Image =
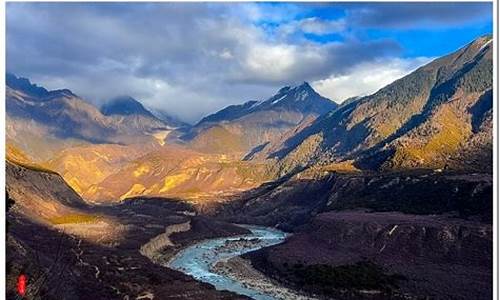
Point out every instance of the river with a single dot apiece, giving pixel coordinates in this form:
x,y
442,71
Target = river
x,y
199,260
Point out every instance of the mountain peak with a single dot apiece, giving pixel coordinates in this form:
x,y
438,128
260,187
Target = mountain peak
x,y
305,85
301,97
124,105
25,85
284,89
302,86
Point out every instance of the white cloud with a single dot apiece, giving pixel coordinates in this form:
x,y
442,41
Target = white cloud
x,y
318,26
367,78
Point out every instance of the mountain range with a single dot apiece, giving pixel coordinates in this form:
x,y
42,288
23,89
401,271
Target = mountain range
x,y
385,196
241,128
434,118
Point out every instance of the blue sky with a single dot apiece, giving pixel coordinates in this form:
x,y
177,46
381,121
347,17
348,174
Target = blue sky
x,y
191,59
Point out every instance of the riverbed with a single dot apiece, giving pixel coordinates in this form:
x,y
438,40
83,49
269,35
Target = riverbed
x,y
207,261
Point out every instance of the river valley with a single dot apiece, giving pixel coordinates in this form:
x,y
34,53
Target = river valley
x,y
217,261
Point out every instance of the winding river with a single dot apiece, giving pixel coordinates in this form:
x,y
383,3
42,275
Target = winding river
x,y
199,259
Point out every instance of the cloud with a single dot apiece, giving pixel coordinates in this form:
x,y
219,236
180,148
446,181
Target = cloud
x,y
418,15
367,78
317,26
311,25
188,58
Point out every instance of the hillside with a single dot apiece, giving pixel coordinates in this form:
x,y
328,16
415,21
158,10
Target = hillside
x,y
175,171
427,119
241,128
35,117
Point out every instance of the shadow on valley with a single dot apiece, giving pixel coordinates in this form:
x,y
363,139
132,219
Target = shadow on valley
x,y
400,235
393,235
75,266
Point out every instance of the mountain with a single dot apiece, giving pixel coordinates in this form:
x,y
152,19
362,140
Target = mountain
x,y
23,84
128,106
42,123
131,113
125,106
174,171
430,118
107,155
240,128
438,117
169,119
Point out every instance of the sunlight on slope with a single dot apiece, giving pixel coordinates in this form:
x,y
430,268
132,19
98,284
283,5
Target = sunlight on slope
x,y
160,136
142,169
173,181
136,189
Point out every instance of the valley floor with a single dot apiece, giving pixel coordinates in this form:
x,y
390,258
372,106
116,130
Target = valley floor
x,y
62,265
354,237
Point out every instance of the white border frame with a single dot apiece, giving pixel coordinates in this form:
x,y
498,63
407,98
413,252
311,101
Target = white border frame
x,y
495,199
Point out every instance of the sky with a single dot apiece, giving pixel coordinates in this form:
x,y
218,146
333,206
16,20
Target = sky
x,y
192,59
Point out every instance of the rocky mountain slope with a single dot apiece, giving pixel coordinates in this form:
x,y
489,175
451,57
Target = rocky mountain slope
x,y
124,106
132,112
240,128
430,118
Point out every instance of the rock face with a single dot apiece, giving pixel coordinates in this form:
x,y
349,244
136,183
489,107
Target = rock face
x,y
240,128
420,250
430,118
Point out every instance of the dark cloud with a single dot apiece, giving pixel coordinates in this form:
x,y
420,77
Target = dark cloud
x,y
417,15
